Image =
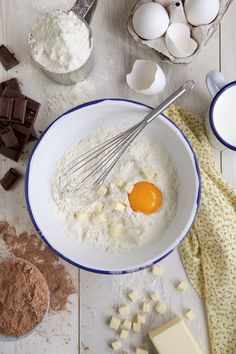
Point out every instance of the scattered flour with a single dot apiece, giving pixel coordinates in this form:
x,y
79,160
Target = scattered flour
x,y
60,41
139,229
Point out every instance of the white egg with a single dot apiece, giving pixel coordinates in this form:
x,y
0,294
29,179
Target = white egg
x,y
146,77
201,12
150,20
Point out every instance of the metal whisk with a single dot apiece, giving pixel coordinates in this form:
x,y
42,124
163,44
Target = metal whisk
x,y
88,171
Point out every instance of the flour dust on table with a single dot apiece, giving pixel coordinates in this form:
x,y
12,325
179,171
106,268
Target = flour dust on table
x,y
134,205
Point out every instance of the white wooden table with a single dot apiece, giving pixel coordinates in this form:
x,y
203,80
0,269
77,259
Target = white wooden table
x,y
83,329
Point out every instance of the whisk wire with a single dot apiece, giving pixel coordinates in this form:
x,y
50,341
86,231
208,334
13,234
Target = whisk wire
x,y
89,170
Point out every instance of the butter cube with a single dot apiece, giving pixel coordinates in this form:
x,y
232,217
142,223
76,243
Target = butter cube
x,y
174,337
99,219
148,172
127,324
146,307
116,230
81,216
124,334
114,322
136,327
154,296
124,310
102,191
157,270
119,206
141,351
161,307
134,296
99,208
116,345
182,287
141,319
190,315
128,187
119,182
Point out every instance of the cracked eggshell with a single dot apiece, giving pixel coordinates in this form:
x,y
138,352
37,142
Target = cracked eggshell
x,y
179,42
201,12
146,77
150,20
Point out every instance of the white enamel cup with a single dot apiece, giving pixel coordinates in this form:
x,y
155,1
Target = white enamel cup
x,y
220,124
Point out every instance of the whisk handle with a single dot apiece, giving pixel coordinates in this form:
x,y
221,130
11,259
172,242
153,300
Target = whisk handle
x,y
171,99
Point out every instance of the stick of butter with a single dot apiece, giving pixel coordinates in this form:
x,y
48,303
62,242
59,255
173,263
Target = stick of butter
x,y
174,337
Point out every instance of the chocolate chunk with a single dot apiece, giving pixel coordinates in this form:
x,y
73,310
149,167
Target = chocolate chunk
x,y
9,179
8,137
7,58
12,153
12,83
11,93
21,128
6,105
19,110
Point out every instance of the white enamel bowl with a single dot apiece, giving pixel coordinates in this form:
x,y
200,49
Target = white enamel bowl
x,y
69,129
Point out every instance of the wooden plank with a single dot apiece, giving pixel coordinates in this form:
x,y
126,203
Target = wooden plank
x,y
228,68
60,333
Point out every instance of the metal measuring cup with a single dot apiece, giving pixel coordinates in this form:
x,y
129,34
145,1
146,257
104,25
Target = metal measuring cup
x,y
84,9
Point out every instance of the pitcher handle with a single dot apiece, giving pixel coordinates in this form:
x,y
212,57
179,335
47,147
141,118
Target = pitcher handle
x,y
214,82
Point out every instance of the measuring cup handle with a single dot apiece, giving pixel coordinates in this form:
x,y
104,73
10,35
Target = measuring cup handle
x,y
214,81
85,9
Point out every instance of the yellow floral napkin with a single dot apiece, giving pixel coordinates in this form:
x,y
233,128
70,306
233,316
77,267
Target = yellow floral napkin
x,y
209,251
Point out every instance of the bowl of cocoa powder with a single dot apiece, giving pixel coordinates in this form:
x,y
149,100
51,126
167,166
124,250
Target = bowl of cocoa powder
x,y
24,298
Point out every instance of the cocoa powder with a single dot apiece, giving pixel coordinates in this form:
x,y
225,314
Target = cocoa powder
x,y
31,248
24,297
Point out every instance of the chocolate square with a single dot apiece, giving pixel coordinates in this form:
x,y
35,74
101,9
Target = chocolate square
x,y
6,105
19,109
7,58
9,179
11,93
8,137
11,83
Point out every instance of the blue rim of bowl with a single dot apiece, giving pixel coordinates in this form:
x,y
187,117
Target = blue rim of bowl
x,y
212,124
147,265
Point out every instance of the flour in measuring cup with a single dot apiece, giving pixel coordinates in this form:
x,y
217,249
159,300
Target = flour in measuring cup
x,y
60,41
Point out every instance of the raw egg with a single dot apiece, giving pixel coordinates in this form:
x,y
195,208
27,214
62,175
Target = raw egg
x,y
145,198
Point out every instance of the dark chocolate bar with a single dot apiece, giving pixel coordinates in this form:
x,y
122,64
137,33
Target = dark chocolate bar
x,y
9,179
7,58
8,137
19,110
6,106
17,123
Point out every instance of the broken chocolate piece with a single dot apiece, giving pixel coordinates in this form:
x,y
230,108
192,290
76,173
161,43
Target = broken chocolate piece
x,y
11,93
12,83
8,137
6,105
9,179
19,110
7,58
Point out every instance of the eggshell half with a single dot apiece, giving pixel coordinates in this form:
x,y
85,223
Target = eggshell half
x,y
179,42
146,77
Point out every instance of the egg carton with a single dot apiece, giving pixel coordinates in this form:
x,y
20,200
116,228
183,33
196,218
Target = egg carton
x,y
201,34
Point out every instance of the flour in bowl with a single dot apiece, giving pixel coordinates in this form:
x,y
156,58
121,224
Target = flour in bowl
x,y
109,221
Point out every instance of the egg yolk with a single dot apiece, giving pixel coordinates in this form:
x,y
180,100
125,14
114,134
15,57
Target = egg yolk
x,y
145,198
